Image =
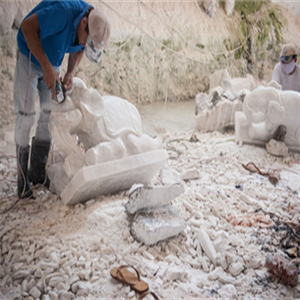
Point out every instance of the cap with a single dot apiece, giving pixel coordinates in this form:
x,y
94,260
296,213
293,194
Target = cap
x,y
99,27
287,52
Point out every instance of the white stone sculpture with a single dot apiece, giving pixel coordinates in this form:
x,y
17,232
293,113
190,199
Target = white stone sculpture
x,y
102,144
217,109
236,86
264,109
210,6
229,7
217,78
214,112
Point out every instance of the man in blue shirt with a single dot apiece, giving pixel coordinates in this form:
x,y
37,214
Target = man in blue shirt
x,y
48,32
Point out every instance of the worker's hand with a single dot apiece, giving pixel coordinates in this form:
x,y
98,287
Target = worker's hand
x,y
68,81
50,78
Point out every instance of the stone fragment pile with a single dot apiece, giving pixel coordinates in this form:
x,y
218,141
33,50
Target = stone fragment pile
x,y
153,217
234,220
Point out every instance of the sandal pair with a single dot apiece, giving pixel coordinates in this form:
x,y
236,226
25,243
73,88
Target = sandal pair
x,y
132,279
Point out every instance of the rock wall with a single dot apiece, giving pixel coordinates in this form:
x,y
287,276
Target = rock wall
x,y
163,51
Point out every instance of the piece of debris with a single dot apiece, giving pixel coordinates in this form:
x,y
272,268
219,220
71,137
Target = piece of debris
x,y
152,226
277,148
152,216
207,245
143,197
250,220
280,133
282,269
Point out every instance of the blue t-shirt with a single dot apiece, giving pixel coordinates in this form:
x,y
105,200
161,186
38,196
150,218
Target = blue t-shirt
x,y
58,21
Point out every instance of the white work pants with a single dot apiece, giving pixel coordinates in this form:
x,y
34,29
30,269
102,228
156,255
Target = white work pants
x,y
27,81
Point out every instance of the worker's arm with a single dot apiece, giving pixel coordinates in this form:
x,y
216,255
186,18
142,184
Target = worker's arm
x,y
31,30
74,60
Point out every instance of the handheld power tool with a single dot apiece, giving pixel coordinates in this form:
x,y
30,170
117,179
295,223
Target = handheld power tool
x,y
60,93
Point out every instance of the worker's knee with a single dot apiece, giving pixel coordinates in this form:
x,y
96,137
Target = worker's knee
x,y
23,126
42,130
44,115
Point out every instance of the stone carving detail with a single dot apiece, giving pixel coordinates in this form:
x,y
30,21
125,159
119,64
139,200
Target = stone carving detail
x,y
264,109
217,109
101,142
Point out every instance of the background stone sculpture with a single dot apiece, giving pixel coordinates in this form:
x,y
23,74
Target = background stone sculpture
x,y
264,109
91,130
216,109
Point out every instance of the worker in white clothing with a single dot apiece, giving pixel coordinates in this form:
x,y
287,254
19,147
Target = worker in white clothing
x,y
286,72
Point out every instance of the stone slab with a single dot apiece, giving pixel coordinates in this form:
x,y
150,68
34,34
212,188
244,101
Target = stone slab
x,y
113,176
150,227
147,197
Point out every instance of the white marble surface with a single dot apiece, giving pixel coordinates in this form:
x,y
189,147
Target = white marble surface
x,y
100,144
113,176
147,197
153,218
152,226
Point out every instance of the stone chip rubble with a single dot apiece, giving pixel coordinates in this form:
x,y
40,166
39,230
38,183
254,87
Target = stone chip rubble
x,y
50,251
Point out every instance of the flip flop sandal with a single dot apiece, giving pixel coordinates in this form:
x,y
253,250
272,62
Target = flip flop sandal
x,y
253,168
272,175
148,293
122,274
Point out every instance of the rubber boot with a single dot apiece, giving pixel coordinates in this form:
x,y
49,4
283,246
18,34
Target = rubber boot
x,y
24,189
38,159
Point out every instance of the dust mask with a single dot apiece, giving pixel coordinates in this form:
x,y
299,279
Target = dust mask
x,y
92,52
288,68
